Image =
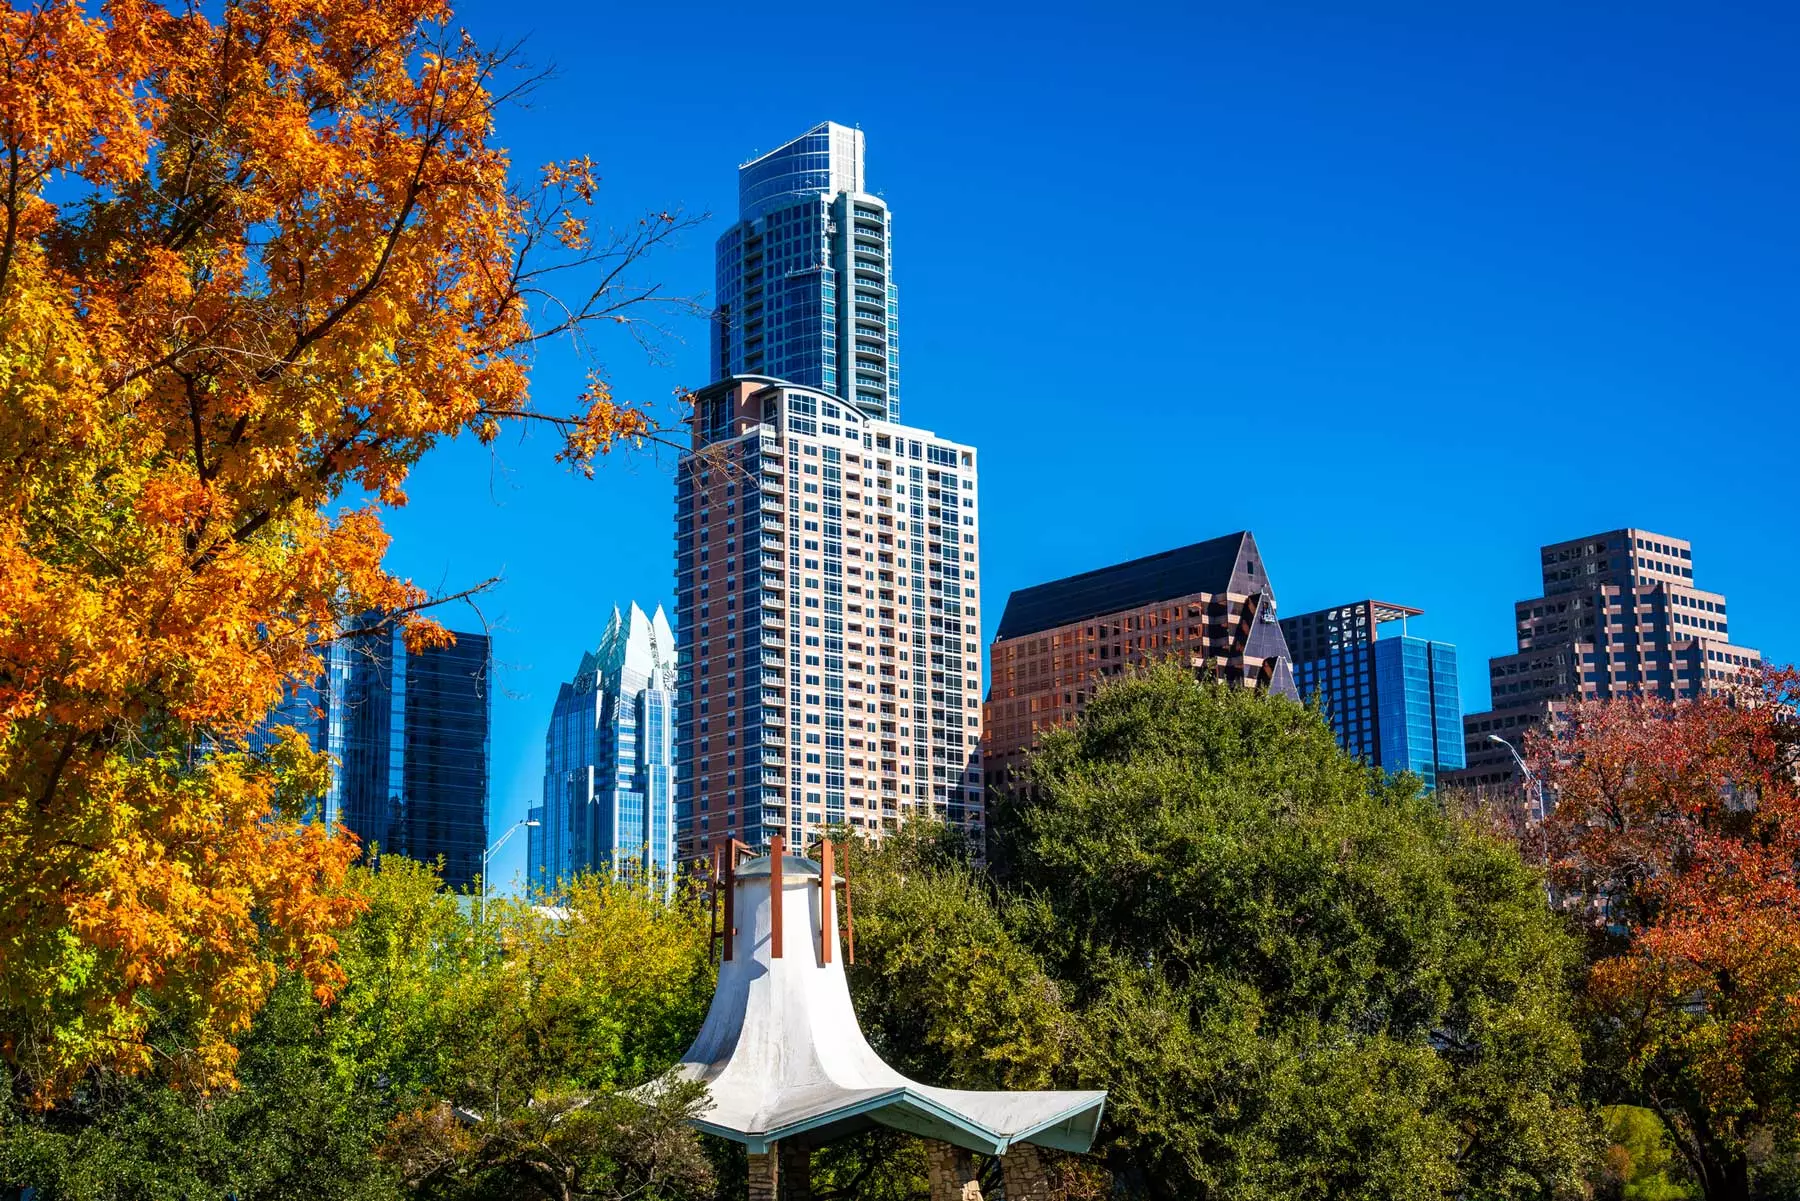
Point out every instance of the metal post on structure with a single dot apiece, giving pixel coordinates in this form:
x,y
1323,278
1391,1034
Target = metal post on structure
x,y
777,848
827,906
728,882
1536,787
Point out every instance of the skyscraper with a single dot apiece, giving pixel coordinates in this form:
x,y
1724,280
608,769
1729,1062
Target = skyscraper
x,y
609,760
826,591
1210,605
1620,616
1391,700
805,280
409,732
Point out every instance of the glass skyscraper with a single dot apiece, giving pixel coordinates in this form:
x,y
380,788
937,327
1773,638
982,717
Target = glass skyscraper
x,y
805,280
1392,701
609,760
409,733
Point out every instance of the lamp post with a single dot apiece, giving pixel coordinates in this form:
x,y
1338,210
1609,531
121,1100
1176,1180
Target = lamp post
x,y
1537,788
528,822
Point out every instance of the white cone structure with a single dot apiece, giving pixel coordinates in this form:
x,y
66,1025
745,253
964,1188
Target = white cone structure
x,y
782,1054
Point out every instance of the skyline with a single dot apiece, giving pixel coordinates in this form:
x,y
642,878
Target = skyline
x,y
1561,268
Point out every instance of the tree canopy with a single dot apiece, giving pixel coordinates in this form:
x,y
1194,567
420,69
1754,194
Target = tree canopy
x,y
470,1053
1295,978
253,264
1675,843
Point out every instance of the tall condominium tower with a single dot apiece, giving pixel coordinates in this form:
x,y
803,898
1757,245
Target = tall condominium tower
x,y
1391,699
826,591
1620,615
609,760
1209,605
805,280
410,735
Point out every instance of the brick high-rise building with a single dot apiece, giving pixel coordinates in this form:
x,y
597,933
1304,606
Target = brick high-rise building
x,y
1620,615
1209,604
826,596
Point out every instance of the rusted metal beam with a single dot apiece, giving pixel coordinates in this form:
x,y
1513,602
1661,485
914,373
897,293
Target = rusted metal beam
x,y
777,848
827,906
729,882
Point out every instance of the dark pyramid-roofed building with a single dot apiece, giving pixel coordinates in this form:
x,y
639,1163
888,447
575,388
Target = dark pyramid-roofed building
x,y
1209,605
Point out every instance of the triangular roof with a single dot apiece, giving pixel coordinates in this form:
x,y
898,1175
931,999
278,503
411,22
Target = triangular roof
x,y
1216,566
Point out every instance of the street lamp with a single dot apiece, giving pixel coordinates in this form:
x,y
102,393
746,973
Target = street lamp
x,y
528,822
1537,787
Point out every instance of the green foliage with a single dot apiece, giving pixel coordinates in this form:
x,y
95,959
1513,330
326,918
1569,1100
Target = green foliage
x,y
944,989
1296,979
1640,1163
470,1054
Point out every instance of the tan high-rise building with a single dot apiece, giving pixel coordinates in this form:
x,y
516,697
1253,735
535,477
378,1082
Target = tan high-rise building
x,y
1209,605
828,621
1620,616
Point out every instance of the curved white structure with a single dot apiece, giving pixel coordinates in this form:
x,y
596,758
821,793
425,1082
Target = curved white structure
x,y
783,1056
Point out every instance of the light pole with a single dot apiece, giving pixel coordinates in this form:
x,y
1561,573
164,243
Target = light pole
x,y
1537,787
528,822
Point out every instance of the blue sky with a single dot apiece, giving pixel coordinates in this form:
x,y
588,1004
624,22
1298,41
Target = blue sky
x,y
1407,291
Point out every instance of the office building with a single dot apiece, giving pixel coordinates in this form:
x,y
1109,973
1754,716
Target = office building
x,y
1620,615
827,594
409,733
805,281
1209,605
1392,697
609,761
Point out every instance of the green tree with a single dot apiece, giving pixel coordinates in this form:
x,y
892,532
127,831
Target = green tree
x,y
1296,979
1641,1165
470,1053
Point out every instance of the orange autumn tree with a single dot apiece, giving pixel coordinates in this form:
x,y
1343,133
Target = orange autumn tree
x,y
1676,834
250,264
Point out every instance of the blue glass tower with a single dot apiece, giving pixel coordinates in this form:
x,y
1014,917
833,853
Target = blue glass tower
x,y
1392,701
609,760
805,281
409,734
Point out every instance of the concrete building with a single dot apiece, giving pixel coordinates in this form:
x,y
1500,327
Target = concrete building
x,y
827,596
805,280
609,760
1210,605
1391,699
1620,615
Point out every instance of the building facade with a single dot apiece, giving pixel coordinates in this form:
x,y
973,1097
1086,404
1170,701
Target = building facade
x,y
1620,615
805,281
1392,700
1210,605
609,761
827,593
409,735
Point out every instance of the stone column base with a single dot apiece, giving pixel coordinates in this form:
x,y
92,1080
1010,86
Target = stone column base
x,y
951,1172
765,1177
1025,1174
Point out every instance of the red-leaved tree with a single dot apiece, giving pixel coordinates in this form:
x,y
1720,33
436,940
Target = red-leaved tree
x,y
1676,835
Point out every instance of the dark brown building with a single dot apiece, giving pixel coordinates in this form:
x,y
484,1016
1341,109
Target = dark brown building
x,y
1620,616
1209,604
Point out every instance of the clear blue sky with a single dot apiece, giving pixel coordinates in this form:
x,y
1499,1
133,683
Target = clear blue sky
x,y
1406,291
